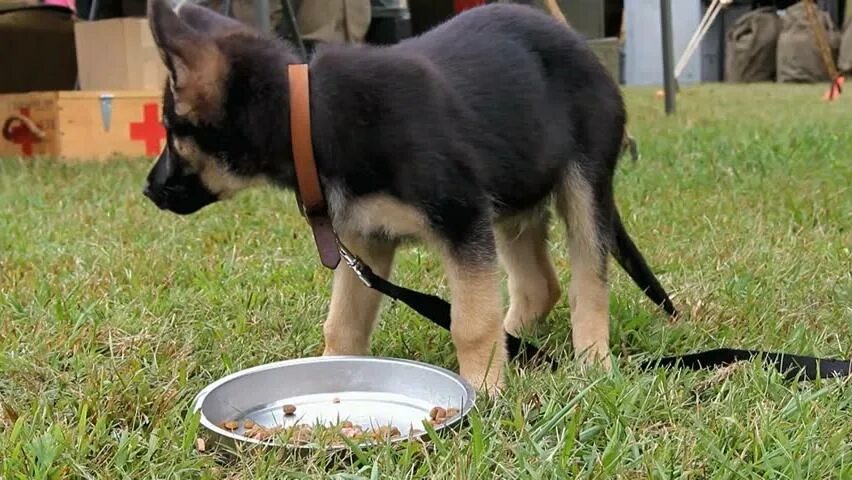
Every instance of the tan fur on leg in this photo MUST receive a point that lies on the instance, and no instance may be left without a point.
(588, 296)
(588, 293)
(477, 329)
(533, 284)
(354, 306)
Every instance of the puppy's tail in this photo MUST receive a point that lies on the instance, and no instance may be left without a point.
(631, 260)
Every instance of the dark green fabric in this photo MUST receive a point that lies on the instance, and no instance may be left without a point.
(751, 47)
(799, 57)
(38, 52)
(332, 21)
(243, 10)
(844, 60)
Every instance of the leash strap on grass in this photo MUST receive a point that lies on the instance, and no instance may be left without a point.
(793, 366)
(437, 310)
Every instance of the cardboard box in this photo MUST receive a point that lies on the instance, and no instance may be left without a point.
(82, 125)
(118, 54)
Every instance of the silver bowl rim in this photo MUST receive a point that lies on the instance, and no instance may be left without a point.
(470, 395)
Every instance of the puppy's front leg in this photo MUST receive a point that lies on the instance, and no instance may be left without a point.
(477, 317)
(354, 306)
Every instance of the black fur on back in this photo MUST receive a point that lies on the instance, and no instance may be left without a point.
(484, 111)
(484, 116)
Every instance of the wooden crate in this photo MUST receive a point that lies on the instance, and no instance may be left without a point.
(81, 125)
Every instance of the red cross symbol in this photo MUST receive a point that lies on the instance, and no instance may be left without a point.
(21, 135)
(149, 129)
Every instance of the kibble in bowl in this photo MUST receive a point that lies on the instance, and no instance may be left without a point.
(322, 393)
(333, 434)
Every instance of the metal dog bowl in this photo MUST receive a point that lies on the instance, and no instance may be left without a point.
(367, 391)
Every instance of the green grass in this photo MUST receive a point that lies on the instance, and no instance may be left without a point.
(113, 315)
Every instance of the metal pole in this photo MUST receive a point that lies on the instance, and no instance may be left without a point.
(668, 54)
(293, 26)
(261, 10)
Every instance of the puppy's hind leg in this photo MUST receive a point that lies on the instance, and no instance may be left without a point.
(353, 309)
(533, 284)
(587, 214)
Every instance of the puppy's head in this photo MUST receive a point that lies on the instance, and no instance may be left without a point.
(224, 107)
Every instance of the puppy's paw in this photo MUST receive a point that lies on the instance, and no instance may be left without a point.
(491, 382)
(595, 357)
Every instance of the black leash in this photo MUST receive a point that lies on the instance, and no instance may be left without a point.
(437, 310)
(792, 366)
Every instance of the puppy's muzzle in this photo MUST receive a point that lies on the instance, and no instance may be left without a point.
(157, 197)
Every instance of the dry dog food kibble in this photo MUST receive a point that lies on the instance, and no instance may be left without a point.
(333, 435)
(351, 432)
(300, 434)
(259, 432)
(438, 413)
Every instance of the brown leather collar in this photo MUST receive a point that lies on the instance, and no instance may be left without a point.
(308, 190)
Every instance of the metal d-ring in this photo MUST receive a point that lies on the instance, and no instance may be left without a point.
(355, 263)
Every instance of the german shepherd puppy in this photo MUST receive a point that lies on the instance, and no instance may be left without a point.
(461, 137)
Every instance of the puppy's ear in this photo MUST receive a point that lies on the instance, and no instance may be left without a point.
(197, 67)
(209, 22)
(177, 42)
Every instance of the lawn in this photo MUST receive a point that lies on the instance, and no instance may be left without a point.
(113, 315)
